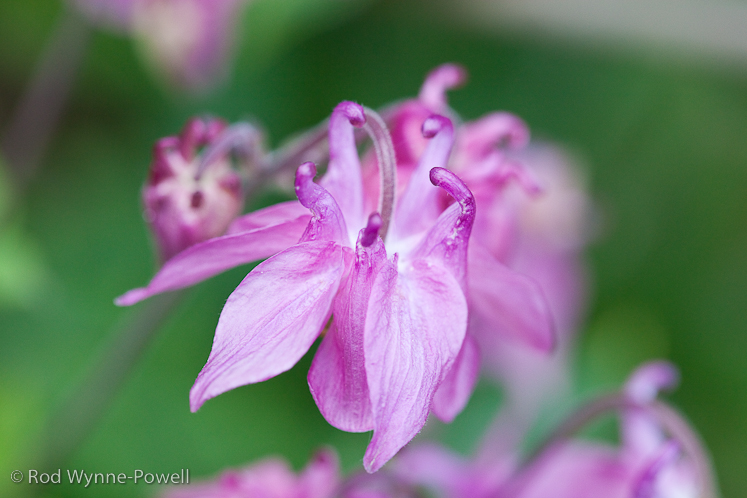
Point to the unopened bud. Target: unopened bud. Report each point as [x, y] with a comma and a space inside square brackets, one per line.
[183, 207]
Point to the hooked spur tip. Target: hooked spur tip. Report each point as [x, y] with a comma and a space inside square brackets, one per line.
[442, 177]
[369, 234]
[306, 171]
[438, 81]
[434, 124]
[352, 111]
[649, 379]
[304, 174]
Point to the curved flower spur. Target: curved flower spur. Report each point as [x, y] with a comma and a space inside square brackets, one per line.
[396, 344]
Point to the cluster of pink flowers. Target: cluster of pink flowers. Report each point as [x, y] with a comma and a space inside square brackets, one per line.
[446, 246]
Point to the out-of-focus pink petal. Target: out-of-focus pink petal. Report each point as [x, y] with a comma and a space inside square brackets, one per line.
[206, 259]
[664, 460]
[327, 221]
[272, 318]
[337, 377]
[321, 477]
[641, 434]
[447, 474]
[419, 206]
[271, 215]
[454, 393]
[271, 478]
[430, 465]
[579, 471]
[512, 302]
[447, 240]
[479, 138]
[647, 380]
[343, 177]
[444, 77]
[414, 330]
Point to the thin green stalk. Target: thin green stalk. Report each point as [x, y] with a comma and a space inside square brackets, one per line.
[40, 107]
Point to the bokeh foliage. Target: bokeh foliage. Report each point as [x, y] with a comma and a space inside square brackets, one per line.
[664, 144]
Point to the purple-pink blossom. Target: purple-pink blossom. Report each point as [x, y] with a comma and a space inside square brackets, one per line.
[187, 41]
[658, 457]
[399, 315]
[186, 201]
[395, 282]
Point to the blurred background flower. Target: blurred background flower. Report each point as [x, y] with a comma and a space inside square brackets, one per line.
[651, 96]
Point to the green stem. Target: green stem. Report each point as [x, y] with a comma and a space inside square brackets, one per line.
[39, 109]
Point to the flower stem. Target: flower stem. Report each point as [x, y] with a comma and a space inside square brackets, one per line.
[81, 410]
[36, 115]
[309, 146]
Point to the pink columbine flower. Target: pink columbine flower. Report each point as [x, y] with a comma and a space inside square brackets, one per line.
[269, 478]
[659, 457]
[187, 201]
[187, 41]
[399, 311]
[650, 463]
[395, 282]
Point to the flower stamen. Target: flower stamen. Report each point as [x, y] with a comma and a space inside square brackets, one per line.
[371, 231]
[382, 142]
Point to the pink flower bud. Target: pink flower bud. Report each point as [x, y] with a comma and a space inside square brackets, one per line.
[184, 205]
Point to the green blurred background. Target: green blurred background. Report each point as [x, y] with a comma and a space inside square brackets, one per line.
[664, 141]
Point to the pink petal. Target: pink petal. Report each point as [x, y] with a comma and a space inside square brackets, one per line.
[272, 318]
[206, 259]
[343, 177]
[327, 221]
[414, 330]
[444, 77]
[513, 303]
[480, 137]
[337, 377]
[420, 205]
[641, 433]
[447, 240]
[454, 393]
[271, 215]
[321, 477]
[647, 380]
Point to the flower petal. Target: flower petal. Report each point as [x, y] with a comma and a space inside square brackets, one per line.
[343, 177]
[337, 377]
[272, 318]
[512, 302]
[444, 77]
[209, 258]
[480, 137]
[271, 215]
[454, 392]
[327, 221]
[448, 239]
[415, 327]
[419, 206]
[641, 433]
